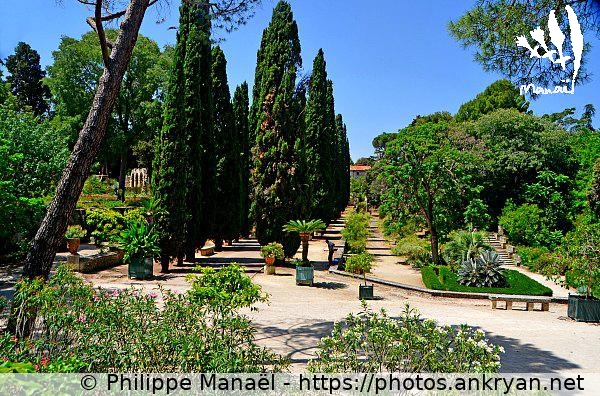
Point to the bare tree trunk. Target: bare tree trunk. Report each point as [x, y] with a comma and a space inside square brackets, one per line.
[122, 176]
[49, 236]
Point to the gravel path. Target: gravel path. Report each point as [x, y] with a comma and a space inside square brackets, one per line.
[296, 317]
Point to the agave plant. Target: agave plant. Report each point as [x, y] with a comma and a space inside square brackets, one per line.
[304, 228]
[484, 271]
[468, 273]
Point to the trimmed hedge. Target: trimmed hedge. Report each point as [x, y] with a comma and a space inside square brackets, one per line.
[518, 283]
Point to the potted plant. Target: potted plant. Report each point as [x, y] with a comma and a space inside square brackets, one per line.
[151, 207]
[583, 256]
[305, 273]
[74, 234]
[305, 229]
[140, 244]
[271, 252]
[361, 264]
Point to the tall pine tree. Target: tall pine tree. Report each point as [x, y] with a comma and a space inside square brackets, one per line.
[26, 79]
[228, 147]
[276, 126]
[172, 156]
[241, 104]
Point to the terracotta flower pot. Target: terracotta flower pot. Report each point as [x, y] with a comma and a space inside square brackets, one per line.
[73, 245]
[270, 260]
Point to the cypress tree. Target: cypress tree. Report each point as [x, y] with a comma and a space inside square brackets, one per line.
[331, 132]
[199, 117]
[274, 120]
[241, 111]
[172, 156]
[318, 142]
[228, 146]
[343, 164]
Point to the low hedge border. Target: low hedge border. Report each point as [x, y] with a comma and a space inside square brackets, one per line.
[431, 292]
[519, 283]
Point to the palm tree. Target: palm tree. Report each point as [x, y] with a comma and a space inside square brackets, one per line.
[304, 228]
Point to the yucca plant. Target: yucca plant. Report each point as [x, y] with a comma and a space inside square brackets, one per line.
[304, 228]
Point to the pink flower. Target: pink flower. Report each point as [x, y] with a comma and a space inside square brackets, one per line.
[116, 292]
[82, 318]
[153, 295]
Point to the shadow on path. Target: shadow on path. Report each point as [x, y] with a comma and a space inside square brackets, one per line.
[527, 358]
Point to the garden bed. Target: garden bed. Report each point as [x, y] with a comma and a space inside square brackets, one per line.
[518, 283]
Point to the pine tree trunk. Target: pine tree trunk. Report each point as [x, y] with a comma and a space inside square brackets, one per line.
[49, 235]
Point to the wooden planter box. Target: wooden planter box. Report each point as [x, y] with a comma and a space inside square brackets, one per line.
[584, 310]
[140, 268]
[365, 292]
[305, 275]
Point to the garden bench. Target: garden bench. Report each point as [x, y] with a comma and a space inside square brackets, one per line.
[207, 251]
[528, 300]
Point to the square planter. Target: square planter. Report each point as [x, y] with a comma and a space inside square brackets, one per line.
[584, 310]
[141, 268]
[305, 275]
[270, 269]
[365, 292]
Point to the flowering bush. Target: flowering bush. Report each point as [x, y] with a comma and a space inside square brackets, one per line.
[79, 328]
[372, 342]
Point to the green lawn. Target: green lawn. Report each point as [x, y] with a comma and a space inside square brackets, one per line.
[518, 283]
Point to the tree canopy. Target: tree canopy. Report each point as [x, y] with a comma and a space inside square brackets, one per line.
[492, 26]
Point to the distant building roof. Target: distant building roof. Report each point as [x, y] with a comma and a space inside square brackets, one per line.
[358, 168]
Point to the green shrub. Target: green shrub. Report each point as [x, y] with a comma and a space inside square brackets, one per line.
[75, 231]
[94, 186]
[526, 225]
[541, 260]
[201, 330]
[359, 263]
[415, 250]
[464, 245]
[107, 224]
[272, 249]
[373, 342]
[431, 279]
[138, 240]
[356, 231]
[582, 255]
[517, 283]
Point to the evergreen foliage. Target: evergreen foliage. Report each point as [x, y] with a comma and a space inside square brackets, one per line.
[26, 79]
[201, 201]
[228, 146]
[501, 94]
[319, 142]
[171, 162]
[276, 174]
[241, 112]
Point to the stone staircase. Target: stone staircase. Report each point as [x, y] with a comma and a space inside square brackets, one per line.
[506, 252]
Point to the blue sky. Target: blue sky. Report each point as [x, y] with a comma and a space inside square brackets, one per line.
[390, 60]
